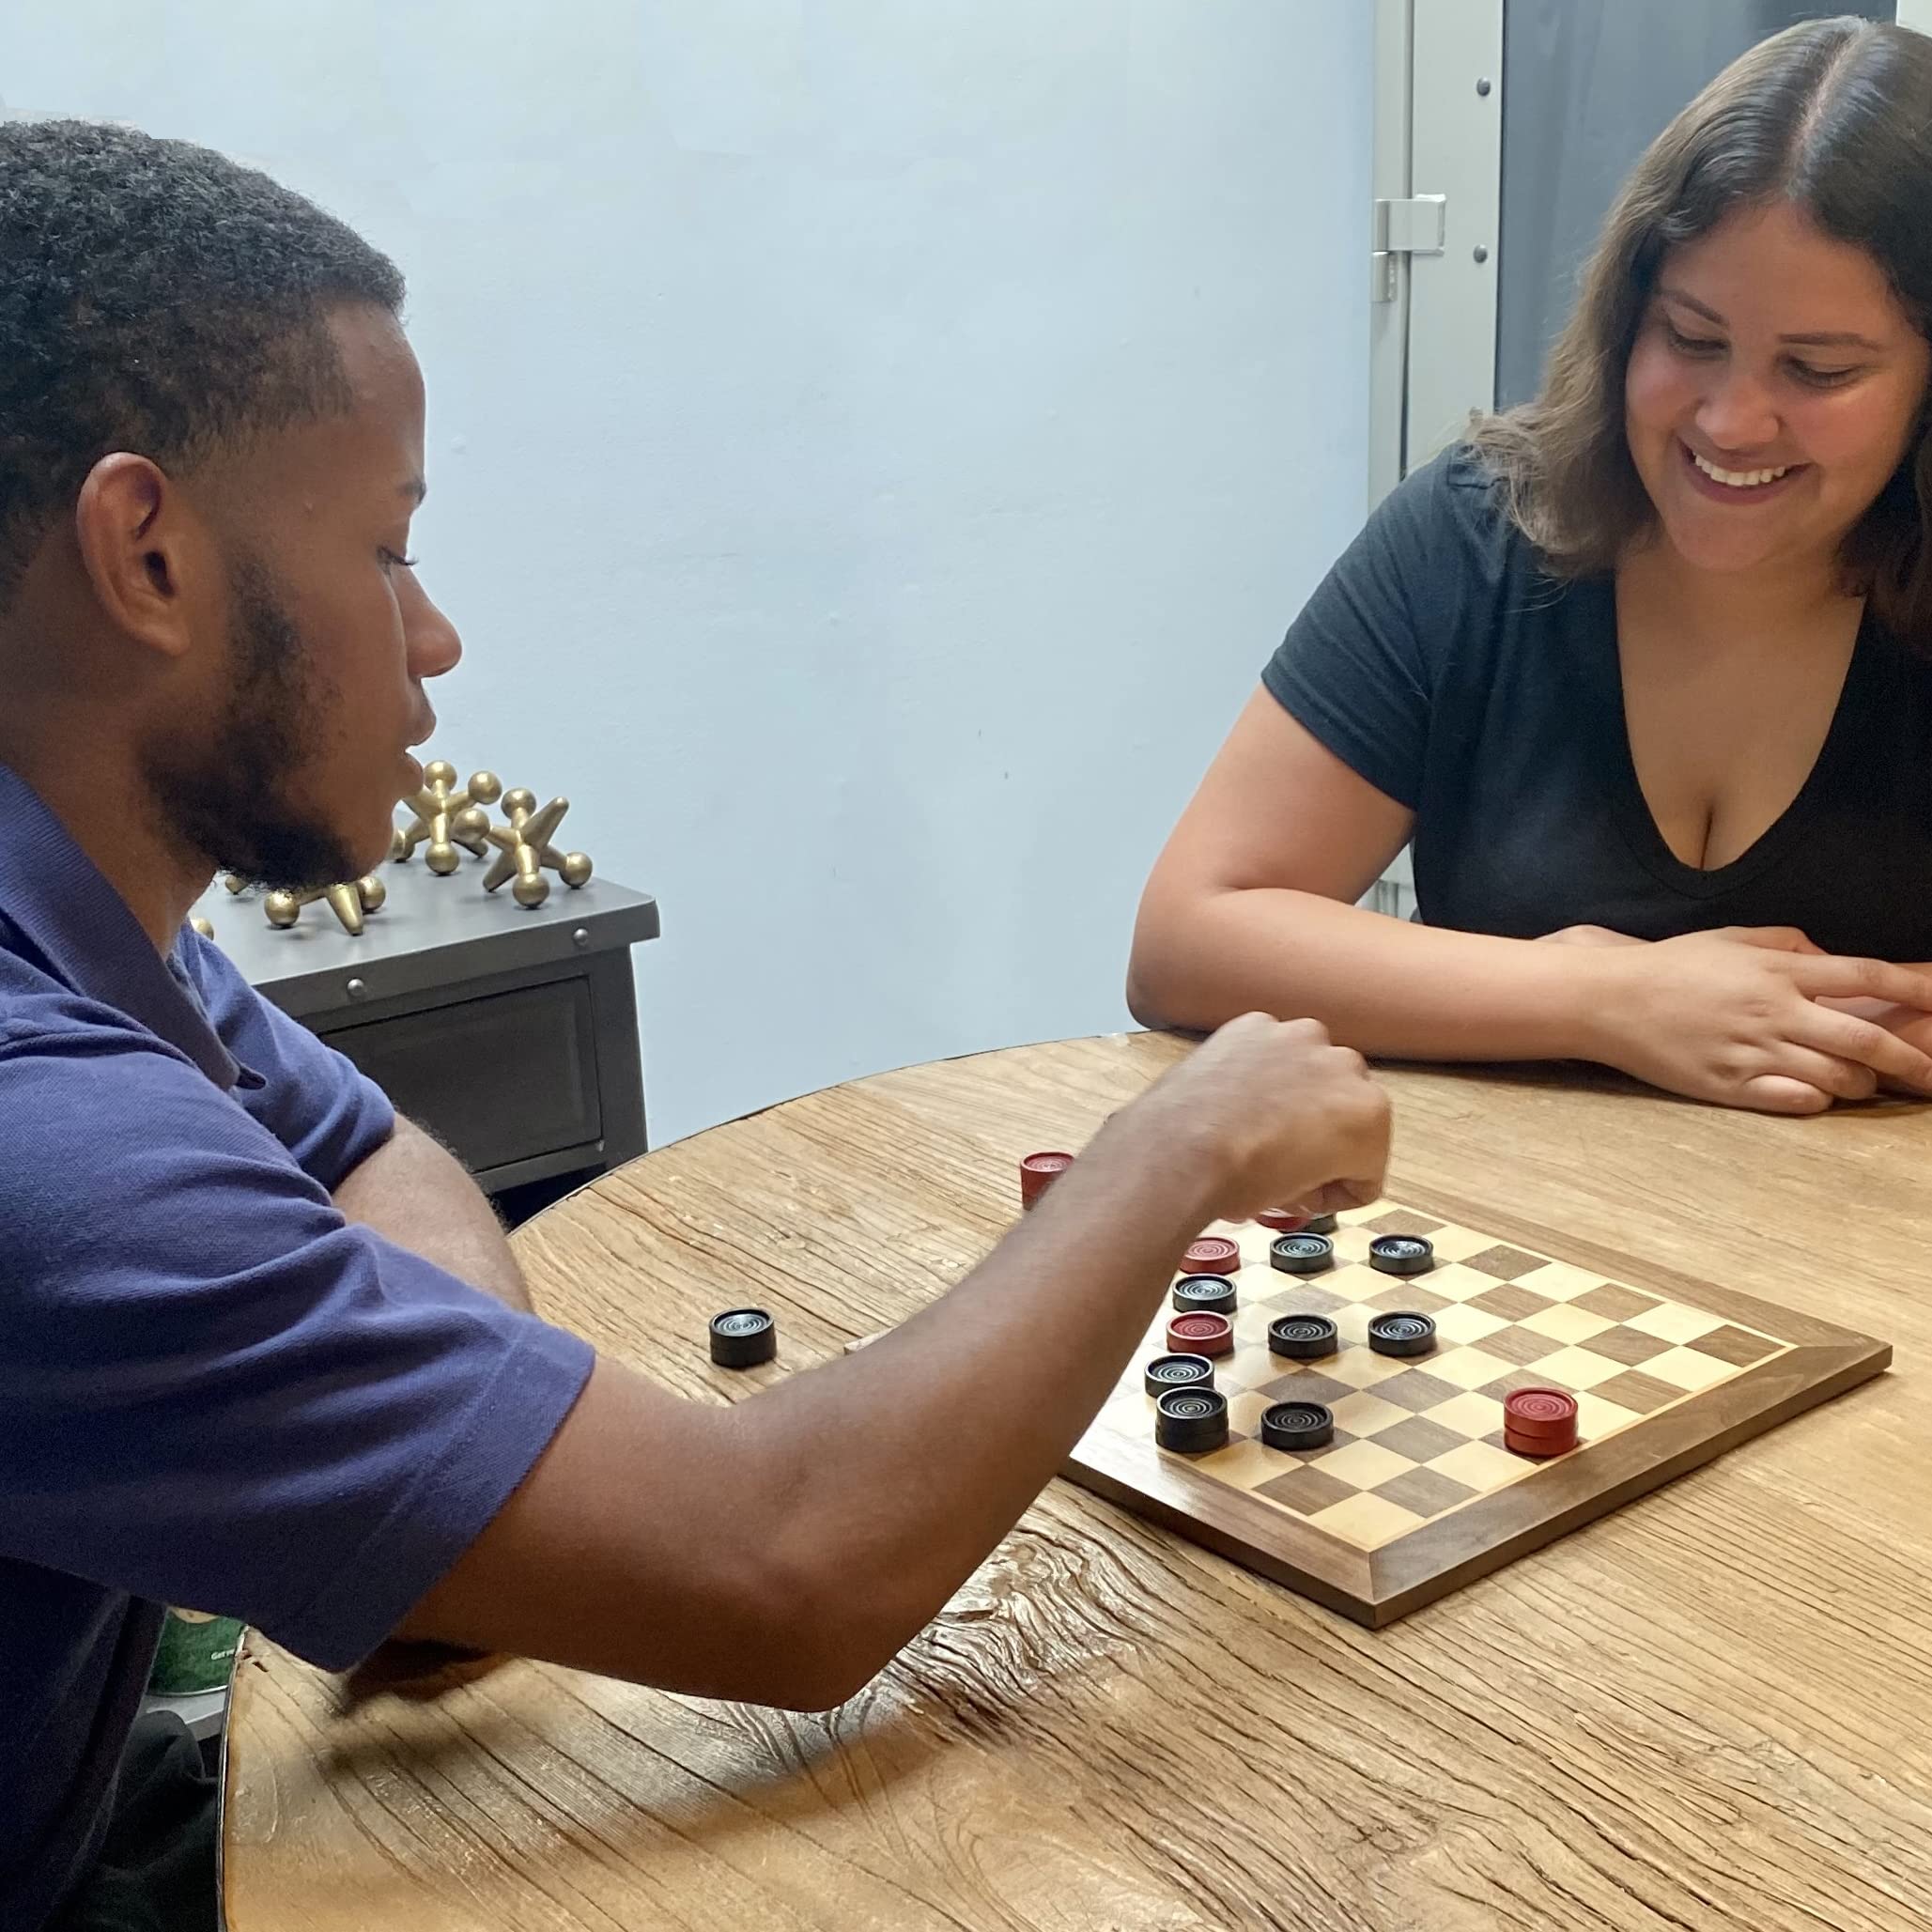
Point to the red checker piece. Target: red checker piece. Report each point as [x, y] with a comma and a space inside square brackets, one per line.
[1212, 1253]
[1285, 1220]
[1038, 1172]
[1539, 1422]
[1539, 1412]
[1200, 1333]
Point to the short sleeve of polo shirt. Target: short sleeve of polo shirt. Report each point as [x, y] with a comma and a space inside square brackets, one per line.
[1355, 667]
[215, 1391]
[330, 1115]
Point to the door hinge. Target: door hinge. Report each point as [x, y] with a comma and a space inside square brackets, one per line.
[1414, 226]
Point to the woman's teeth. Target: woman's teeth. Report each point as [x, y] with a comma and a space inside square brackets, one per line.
[1738, 479]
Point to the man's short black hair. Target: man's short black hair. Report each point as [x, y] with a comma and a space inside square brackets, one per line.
[159, 298]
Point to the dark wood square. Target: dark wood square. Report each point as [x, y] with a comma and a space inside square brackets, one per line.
[1637, 1391]
[1297, 1297]
[1306, 1489]
[1511, 1302]
[1737, 1345]
[1424, 1492]
[1419, 1439]
[1505, 1263]
[1628, 1345]
[1519, 1345]
[1304, 1385]
[1404, 1221]
[1415, 1389]
[1614, 1303]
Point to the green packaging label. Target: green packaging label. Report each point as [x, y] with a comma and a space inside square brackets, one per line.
[197, 1652]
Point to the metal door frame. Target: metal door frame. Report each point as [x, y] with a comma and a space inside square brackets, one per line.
[1437, 183]
[1436, 179]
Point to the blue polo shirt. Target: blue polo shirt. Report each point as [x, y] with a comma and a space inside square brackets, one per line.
[215, 1391]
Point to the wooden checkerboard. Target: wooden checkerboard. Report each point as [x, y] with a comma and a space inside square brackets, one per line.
[1416, 1494]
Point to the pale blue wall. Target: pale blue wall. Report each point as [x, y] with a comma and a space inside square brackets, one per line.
[872, 446]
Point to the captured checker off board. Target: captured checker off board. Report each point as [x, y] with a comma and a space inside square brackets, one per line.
[1378, 1407]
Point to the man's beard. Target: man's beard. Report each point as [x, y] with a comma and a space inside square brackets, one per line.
[229, 797]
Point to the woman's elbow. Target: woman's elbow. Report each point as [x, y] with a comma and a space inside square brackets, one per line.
[1164, 969]
[1142, 1004]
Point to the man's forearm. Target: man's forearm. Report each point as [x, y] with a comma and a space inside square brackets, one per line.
[416, 1193]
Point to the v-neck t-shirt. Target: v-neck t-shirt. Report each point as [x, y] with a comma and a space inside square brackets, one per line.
[1442, 662]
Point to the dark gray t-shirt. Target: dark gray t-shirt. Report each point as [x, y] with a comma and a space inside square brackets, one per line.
[1440, 663]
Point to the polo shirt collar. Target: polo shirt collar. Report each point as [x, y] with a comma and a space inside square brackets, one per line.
[57, 900]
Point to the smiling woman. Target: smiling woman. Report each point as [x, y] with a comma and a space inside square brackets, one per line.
[1644, 666]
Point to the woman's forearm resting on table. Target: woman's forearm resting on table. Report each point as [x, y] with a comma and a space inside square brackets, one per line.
[1381, 985]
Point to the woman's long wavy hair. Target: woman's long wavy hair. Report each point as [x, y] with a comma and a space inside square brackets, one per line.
[1834, 116]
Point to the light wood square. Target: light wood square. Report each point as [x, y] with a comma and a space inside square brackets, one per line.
[1365, 1465]
[1362, 1367]
[1366, 1522]
[1469, 1415]
[1355, 1283]
[1251, 1320]
[1674, 1322]
[1560, 1281]
[1596, 1418]
[1129, 1414]
[1246, 1367]
[1467, 1368]
[1363, 1414]
[1567, 1323]
[1454, 1243]
[1459, 1323]
[1482, 1465]
[1245, 1412]
[1455, 1283]
[1241, 1465]
[1351, 1323]
[1687, 1369]
[1576, 1368]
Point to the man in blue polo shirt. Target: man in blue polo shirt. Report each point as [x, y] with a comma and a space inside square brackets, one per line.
[263, 1349]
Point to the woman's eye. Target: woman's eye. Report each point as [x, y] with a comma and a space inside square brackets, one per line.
[1692, 344]
[1822, 379]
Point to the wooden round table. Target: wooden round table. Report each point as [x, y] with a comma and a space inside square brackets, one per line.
[1707, 1709]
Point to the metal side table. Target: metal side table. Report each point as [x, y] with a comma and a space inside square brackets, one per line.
[510, 1034]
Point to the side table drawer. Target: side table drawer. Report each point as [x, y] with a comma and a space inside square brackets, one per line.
[497, 1079]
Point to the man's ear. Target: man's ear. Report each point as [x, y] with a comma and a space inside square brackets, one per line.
[136, 545]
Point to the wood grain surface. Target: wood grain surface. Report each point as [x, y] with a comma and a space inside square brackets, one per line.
[1707, 1710]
